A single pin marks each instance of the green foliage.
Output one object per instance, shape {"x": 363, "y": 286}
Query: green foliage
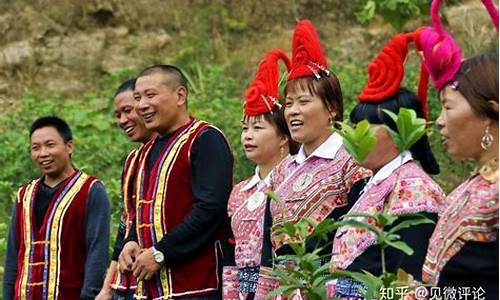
{"x": 396, "y": 12}
{"x": 304, "y": 271}
{"x": 386, "y": 238}
{"x": 213, "y": 99}
{"x": 359, "y": 141}
{"x": 410, "y": 128}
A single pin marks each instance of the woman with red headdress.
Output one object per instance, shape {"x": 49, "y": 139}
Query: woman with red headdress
{"x": 266, "y": 140}
{"x": 463, "y": 250}
{"x": 400, "y": 184}
{"x": 314, "y": 183}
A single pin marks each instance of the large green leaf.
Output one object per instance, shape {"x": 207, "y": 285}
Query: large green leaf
{"x": 400, "y": 245}
{"x": 410, "y": 128}
{"x": 409, "y": 223}
{"x": 361, "y": 224}
{"x": 322, "y": 229}
{"x": 359, "y": 141}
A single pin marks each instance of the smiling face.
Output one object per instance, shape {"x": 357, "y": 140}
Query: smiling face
{"x": 161, "y": 102}
{"x": 128, "y": 118}
{"x": 461, "y": 127}
{"x": 50, "y": 152}
{"x": 307, "y": 118}
{"x": 261, "y": 140}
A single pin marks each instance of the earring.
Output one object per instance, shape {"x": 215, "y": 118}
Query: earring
{"x": 487, "y": 139}
{"x": 331, "y": 121}
{"x": 282, "y": 151}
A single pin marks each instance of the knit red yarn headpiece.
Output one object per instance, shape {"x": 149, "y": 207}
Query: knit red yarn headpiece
{"x": 262, "y": 94}
{"x": 308, "y": 58}
{"x": 386, "y": 72}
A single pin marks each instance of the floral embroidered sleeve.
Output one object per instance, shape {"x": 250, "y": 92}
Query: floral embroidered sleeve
{"x": 353, "y": 172}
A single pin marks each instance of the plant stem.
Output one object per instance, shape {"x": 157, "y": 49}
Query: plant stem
{"x": 382, "y": 258}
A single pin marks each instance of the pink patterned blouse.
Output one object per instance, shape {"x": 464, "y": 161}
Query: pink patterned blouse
{"x": 314, "y": 186}
{"x": 470, "y": 215}
{"x": 408, "y": 189}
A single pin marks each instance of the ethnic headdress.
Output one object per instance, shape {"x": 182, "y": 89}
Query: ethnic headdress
{"x": 386, "y": 72}
{"x": 308, "y": 58}
{"x": 262, "y": 94}
{"x": 441, "y": 54}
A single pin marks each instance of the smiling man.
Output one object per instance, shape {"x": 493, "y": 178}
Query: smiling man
{"x": 59, "y": 234}
{"x": 121, "y": 285}
{"x": 184, "y": 181}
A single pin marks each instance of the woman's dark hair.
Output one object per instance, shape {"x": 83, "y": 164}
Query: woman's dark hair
{"x": 277, "y": 117}
{"x": 326, "y": 87}
{"x": 477, "y": 81}
{"x": 373, "y": 113}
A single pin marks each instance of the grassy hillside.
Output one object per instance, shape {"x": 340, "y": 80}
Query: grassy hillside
{"x": 66, "y": 57}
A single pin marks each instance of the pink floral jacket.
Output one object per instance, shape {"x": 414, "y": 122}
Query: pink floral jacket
{"x": 470, "y": 214}
{"x": 407, "y": 190}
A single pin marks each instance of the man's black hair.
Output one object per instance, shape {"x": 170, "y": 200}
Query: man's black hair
{"x": 170, "y": 70}
{"x": 128, "y": 85}
{"x": 51, "y": 121}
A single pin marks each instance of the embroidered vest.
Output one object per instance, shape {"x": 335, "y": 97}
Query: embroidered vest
{"x": 125, "y": 281}
{"x": 407, "y": 190}
{"x": 51, "y": 257}
{"x": 471, "y": 215}
{"x": 164, "y": 199}
{"x": 312, "y": 189}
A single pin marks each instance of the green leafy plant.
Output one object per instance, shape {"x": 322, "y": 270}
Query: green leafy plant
{"x": 386, "y": 232}
{"x": 305, "y": 272}
{"x": 396, "y": 12}
{"x": 410, "y": 128}
{"x": 358, "y": 141}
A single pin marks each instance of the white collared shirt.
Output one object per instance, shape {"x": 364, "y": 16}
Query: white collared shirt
{"x": 257, "y": 181}
{"x": 327, "y": 150}
{"x": 388, "y": 169}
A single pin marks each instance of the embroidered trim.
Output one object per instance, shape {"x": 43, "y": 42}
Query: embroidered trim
{"x": 348, "y": 287}
{"x": 248, "y": 278}
{"x": 156, "y": 213}
{"x": 51, "y": 244}
{"x": 471, "y": 215}
{"x": 326, "y": 192}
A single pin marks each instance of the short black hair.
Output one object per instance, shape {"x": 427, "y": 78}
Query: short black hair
{"x": 128, "y": 85}
{"x": 169, "y": 70}
{"x": 374, "y": 114}
{"x": 52, "y": 121}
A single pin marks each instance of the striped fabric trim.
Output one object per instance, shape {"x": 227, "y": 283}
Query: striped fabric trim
{"x": 52, "y": 240}
{"x": 160, "y": 190}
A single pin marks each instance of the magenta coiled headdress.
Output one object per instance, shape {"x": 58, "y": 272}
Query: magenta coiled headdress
{"x": 441, "y": 54}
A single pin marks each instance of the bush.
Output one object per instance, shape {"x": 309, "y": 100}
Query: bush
{"x": 396, "y": 12}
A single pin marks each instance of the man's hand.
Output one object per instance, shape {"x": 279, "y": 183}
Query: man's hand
{"x": 145, "y": 265}
{"x": 129, "y": 253}
{"x": 106, "y": 292}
